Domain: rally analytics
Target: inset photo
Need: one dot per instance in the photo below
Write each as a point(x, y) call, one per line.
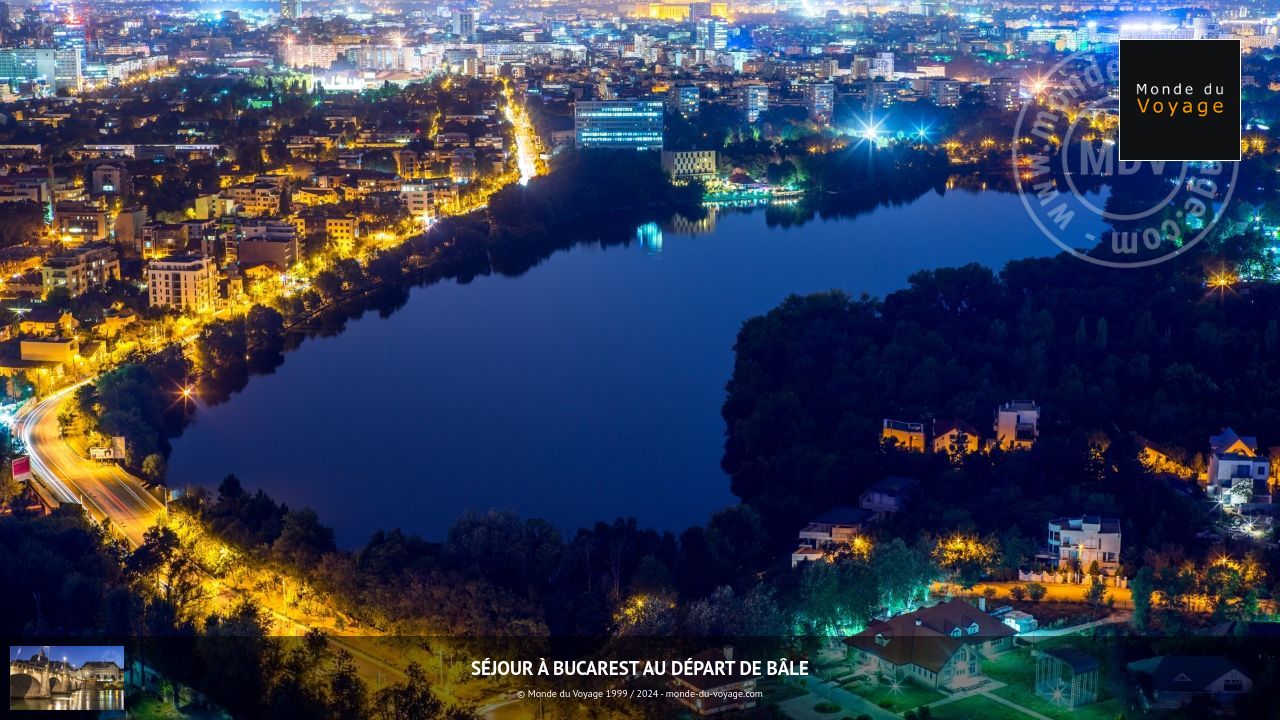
point(66, 677)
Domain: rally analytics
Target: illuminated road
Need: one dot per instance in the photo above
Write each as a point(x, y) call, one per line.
point(526, 140)
point(111, 495)
point(119, 500)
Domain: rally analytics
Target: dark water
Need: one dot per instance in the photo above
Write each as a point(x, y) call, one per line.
point(586, 389)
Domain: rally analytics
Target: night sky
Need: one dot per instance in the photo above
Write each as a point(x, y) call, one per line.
point(75, 654)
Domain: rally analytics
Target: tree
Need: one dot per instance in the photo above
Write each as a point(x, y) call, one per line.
point(1141, 587)
point(903, 575)
point(154, 467)
point(20, 222)
point(837, 599)
point(966, 557)
point(1036, 591)
point(9, 488)
point(1097, 593)
point(303, 540)
point(409, 700)
point(349, 697)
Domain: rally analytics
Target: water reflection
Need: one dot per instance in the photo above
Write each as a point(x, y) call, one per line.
point(78, 700)
point(650, 237)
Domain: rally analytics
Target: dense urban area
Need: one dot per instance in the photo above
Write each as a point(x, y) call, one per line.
point(1038, 491)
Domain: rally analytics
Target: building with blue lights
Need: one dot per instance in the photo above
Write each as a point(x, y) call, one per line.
point(618, 124)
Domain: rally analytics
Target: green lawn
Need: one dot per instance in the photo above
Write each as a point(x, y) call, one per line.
point(909, 695)
point(1017, 668)
point(977, 707)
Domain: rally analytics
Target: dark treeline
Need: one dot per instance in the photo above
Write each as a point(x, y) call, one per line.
point(1106, 354)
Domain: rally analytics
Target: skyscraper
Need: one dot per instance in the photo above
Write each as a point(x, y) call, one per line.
point(820, 101)
point(882, 66)
point(755, 100)
point(290, 9)
point(618, 124)
point(684, 99)
point(464, 24)
point(713, 34)
point(69, 69)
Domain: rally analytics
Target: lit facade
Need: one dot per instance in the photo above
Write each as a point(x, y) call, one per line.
point(183, 282)
point(618, 124)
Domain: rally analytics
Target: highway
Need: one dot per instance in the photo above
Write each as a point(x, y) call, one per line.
point(111, 495)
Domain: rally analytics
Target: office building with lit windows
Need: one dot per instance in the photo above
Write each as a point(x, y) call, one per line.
point(618, 124)
point(755, 100)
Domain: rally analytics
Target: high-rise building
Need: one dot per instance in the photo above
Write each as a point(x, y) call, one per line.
point(820, 101)
point(36, 67)
point(684, 99)
point(290, 9)
point(882, 65)
point(183, 282)
point(944, 92)
point(464, 24)
point(69, 69)
point(712, 34)
point(755, 100)
point(700, 10)
point(618, 124)
point(1003, 92)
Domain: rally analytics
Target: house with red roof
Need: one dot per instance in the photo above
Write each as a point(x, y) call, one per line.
point(940, 647)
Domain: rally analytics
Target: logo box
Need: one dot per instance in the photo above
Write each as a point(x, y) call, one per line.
point(1180, 100)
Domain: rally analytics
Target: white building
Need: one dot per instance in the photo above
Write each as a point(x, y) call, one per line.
point(1017, 425)
point(1087, 539)
point(1237, 471)
point(184, 282)
point(755, 100)
point(820, 101)
point(690, 164)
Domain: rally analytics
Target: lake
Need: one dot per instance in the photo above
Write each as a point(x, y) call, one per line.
point(586, 389)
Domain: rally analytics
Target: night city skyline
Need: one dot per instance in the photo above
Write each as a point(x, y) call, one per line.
point(506, 359)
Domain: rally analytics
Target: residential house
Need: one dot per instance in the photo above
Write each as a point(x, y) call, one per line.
point(955, 436)
point(940, 647)
point(1017, 425)
point(907, 435)
point(1160, 459)
point(1171, 681)
point(114, 322)
point(47, 321)
point(1237, 471)
point(841, 526)
point(713, 693)
point(888, 495)
point(1086, 540)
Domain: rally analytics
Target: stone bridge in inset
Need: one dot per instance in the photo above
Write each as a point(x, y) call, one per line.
point(42, 679)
